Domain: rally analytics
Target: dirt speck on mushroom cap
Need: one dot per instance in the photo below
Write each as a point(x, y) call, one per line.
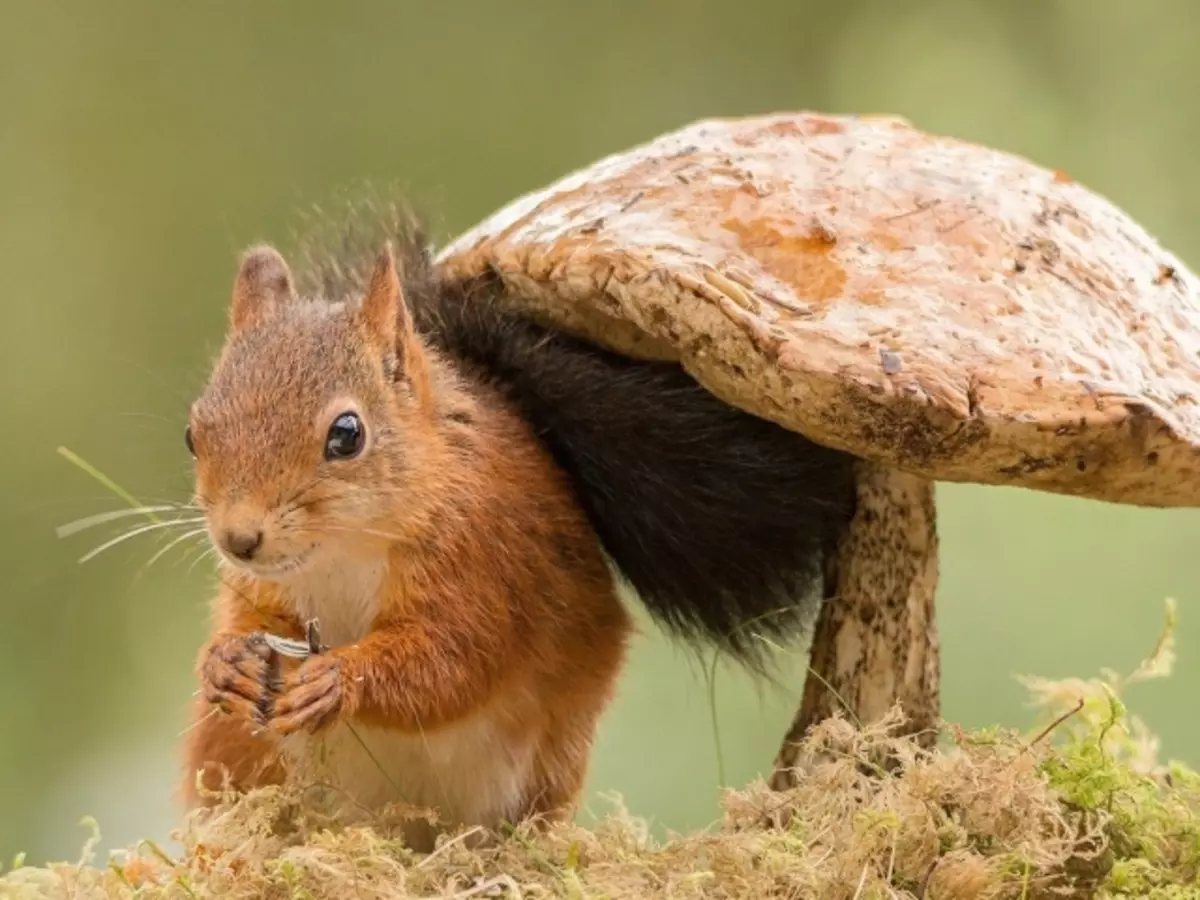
point(788, 262)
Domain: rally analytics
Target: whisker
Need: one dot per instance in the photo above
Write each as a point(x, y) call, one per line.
point(200, 721)
point(199, 545)
point(179, 540)
point(41, 505)
point(87, 522)
point(386, 535)
point(297, 499)
point(341, 488)
point(209, 552)
point(153, 526)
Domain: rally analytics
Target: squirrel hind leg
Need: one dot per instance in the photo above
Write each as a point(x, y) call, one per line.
point(226, 754)
point(558, 800)
point(560, 772)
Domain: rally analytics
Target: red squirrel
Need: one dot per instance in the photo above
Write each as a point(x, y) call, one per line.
point(454, 492)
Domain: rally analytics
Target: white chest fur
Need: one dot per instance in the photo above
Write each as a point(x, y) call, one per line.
point(344, 599)
point(465, 772)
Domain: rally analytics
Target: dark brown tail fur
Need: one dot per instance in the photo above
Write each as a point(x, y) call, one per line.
point(719, 520)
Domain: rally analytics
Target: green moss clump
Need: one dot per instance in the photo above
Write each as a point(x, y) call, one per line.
point(1106, 765)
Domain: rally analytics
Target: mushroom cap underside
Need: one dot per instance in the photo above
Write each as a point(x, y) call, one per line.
point(922, 302)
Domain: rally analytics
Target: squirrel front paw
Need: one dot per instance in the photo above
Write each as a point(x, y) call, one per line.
point(235, 676)
point(312, 697)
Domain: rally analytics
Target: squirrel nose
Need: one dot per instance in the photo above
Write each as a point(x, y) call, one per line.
point(243, 544)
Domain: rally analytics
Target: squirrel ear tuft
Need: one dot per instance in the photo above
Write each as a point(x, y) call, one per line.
point(387, 320)
point(263, 283)
point(383, 308)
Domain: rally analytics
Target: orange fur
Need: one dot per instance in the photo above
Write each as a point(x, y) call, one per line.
point(474, 629)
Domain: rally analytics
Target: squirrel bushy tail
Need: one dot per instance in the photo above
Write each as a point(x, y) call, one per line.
point(720, 521)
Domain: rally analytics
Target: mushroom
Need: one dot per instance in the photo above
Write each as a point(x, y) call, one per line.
point(940, 310)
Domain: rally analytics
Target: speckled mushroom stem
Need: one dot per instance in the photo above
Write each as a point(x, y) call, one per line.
point(876, 640)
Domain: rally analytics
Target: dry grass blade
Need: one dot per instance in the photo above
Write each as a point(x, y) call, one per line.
point(76, 460)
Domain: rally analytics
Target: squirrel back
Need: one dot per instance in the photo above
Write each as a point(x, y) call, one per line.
point(719, 520)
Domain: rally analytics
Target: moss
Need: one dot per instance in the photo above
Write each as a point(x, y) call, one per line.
point(1082, 809)
point(986, 819)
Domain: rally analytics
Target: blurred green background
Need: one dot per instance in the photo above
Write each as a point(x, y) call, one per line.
point(143, 145)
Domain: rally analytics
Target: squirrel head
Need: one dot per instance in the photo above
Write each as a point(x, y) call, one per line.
point(311, 422)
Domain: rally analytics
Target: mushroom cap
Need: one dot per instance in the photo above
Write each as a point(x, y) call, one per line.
point(921, 302)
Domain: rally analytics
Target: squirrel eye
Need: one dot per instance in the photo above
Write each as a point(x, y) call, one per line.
point(187, 439)
point(345, 438)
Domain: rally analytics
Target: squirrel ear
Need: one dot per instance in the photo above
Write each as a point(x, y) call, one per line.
point(263, 283)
